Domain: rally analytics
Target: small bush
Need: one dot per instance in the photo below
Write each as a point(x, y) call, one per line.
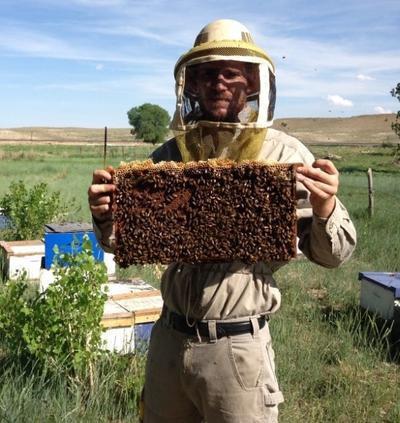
point(28, 210)
point(59, 328)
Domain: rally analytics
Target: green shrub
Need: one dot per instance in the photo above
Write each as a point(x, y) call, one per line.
point(14, 308)
point(59, 328)
point(28, 210)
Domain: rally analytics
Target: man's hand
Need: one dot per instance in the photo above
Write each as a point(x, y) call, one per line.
point(100, 194)
point(322, 180)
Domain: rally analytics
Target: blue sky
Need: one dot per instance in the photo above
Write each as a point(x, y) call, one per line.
point(86, 62)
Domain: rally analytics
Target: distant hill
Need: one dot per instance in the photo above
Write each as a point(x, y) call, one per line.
point(67, 135)
point(367, 129)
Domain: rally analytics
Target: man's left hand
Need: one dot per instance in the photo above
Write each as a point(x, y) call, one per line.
point(322, 180)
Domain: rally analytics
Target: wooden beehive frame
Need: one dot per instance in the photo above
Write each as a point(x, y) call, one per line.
point(214, 211)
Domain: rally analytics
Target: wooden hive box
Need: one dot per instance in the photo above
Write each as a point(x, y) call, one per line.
point(129, 315)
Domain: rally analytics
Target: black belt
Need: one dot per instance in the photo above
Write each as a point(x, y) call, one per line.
point(179, 323)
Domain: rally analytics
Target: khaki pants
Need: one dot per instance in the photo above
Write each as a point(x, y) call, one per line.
point(190, 380)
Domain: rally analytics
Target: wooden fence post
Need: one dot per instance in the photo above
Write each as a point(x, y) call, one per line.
point(105, 148)
point(370, 193)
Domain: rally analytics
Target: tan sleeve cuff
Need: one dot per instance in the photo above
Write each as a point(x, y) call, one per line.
point(339, 229)
point(333, 222)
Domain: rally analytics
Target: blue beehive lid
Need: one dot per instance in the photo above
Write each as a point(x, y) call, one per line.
point(68, 237)
point(386, 279)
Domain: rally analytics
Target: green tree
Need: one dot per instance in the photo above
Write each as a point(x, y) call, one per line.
point(150, 122)
point(396, 125)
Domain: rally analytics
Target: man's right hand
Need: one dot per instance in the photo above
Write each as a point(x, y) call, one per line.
point(100, 194)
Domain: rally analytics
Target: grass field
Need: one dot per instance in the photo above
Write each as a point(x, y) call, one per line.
point(64, 168)
point(335, 363)
point(69, 168)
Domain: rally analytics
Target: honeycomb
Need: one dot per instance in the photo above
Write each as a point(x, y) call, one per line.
point(197, 212)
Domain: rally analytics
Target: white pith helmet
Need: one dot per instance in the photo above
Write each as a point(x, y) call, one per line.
point(223, 39)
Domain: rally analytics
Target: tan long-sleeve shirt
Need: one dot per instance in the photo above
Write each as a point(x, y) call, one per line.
point(234, 290)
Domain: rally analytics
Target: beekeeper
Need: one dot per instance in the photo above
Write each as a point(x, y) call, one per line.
point(210, 356)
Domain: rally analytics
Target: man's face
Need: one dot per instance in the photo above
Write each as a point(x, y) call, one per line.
point(221, 88)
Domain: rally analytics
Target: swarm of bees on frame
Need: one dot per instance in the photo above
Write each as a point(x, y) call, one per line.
point(198, 212)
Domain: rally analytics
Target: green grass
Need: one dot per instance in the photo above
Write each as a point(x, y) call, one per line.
point(384, 159)
point(29, 395)
point(335, 363)
point(332, 358)
point(64, 168)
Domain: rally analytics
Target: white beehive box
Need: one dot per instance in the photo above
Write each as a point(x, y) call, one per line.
point(110, 264)
point(46, 276)
point(380, 291)
point(18, 256)
point(129, 315)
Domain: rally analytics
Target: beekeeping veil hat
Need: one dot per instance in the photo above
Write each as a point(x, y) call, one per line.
point(200, 138)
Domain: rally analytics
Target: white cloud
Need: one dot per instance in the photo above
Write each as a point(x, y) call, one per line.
point(148, 34)
point(362, 77)
point(381, 110)
point(154, 86)
point(337, 100)
point(99, 66)
point(34, 43)
point(302, 84)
